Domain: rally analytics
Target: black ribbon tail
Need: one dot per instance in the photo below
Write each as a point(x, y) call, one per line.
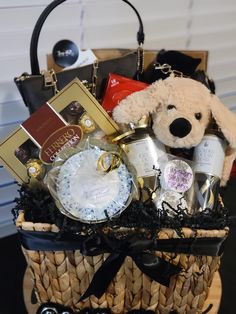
point(156, 268)
point(104, 275)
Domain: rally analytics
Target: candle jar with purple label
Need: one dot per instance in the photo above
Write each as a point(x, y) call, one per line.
point(176, 183)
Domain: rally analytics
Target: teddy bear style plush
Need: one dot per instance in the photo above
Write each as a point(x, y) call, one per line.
point(181, 108)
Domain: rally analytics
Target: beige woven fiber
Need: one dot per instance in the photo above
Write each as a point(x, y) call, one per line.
point(63, 276)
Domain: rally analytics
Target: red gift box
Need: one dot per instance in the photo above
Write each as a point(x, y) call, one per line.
point(118, 88)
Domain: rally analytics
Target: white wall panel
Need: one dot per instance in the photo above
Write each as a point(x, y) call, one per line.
point(230, 101)
point(21, 3)
point(6, 129)
point(8, 193)
point(8, 90)
point(13, 66)
point(7, 226)
point(161, 9)
point(213, 38)
point(210, 20)
point(226, 86)
point(6, 178)
point(222, 69)
point(226, 52)
point(170, 24)
point(166, 42)
point(10, 111)
point(203, 6)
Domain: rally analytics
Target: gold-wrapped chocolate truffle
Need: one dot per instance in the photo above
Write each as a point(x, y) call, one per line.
point(35, 169)
point(87, 124)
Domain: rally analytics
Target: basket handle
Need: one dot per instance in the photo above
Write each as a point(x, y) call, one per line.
point(42, 18)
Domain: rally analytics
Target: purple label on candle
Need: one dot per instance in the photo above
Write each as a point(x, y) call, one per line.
point(178, 176)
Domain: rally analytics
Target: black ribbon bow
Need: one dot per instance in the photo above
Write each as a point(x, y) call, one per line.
point(141, 250)
point(138, 249)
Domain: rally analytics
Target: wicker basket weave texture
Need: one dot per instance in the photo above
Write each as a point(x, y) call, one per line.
point(63, 276)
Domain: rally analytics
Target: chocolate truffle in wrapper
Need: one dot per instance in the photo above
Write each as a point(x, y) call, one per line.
point(74, 108)
point(34, 152)
point(87, 124)
point(72, 112)
point(23, 153)
point(35, 169)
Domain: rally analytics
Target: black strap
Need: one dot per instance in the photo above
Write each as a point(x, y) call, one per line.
point(39, 24)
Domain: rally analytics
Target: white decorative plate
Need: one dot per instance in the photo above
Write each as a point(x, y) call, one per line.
point(90, 195)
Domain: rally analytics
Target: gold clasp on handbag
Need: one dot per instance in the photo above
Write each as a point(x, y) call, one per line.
point(93, 85)
point(50, 79)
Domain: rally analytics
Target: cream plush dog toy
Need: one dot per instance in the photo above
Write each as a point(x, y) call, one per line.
point(182, 109)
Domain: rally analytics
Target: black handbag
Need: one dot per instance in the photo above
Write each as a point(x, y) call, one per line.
point(38, 87)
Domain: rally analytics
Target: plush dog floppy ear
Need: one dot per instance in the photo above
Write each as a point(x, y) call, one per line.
point(138, 104)
point(226, 121)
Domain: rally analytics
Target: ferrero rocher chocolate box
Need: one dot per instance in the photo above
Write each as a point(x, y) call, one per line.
point(73, 105)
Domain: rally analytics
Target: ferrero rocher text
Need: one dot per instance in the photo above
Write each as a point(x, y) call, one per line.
point(65, 137)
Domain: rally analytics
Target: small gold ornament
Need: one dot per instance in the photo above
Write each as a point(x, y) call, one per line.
point(87, 124)
point(35, 169)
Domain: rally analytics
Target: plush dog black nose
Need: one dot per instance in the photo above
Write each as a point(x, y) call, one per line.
point(180, 127)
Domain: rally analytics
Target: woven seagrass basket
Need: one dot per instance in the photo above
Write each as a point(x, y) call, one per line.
point(63, 276)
